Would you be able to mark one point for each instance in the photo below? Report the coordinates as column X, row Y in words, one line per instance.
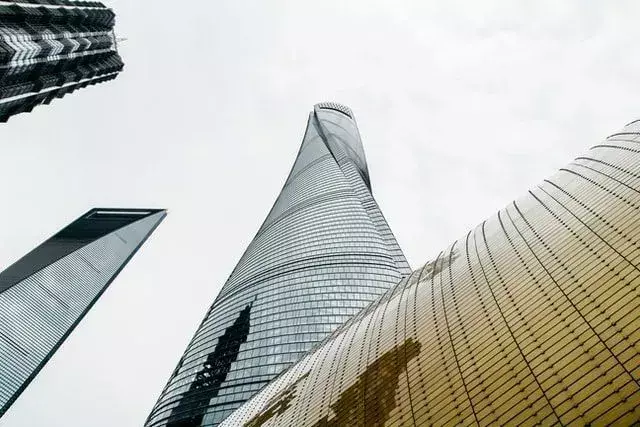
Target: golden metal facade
column 531, row 318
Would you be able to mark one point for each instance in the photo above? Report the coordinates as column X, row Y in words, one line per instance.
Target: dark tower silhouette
column 373, row 396
column 213, row 373
column 374, row 389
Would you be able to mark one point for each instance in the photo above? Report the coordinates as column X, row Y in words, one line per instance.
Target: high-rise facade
column 45, row 294
column 49, row 48
column 323, row 253
column 532, row 318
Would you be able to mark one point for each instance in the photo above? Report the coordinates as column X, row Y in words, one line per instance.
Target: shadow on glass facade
column 323, row 253
column 532, row 318
column 50, row 48
column 45, row 294
column 191, row 408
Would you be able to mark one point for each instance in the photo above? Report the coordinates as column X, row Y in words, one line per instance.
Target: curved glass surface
column 532, row 318
column 323, row 253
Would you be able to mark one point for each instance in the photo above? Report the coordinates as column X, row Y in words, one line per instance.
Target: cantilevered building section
column 44, row 295
column 323, row 253
column 49, row 48
column 532, row 318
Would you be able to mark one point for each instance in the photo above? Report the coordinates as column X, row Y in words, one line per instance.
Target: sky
column 461, row 105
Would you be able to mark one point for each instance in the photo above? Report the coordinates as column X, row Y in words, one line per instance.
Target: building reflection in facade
column 531, row 318
column 323, row 253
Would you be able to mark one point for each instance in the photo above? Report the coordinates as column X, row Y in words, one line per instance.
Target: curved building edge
column 531, row 318
column 322, row 254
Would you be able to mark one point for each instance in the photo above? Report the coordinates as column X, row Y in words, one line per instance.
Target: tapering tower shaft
column 45, row 294
column 531, row 318
column 323, row 253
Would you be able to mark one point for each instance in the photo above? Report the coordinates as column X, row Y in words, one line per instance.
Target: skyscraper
column 322, row 254
column 532, row 318
column 45, row 294
column 49, row 48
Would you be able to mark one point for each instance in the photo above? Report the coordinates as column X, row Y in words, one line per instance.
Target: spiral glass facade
column 532, row 318
column 44, row 295
column 323, row 253
column 49, row 48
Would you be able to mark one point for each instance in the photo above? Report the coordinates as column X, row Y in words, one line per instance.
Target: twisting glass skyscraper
column 323, row 253
column 49, row 48
column 532, row 318
column 45, row 294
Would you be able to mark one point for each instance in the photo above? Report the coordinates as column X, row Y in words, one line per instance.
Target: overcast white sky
column 461, row 105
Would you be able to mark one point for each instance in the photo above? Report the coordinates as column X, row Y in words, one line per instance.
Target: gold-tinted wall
column 532, row 317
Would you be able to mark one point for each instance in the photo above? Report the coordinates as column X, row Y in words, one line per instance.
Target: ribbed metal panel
column 532, row 318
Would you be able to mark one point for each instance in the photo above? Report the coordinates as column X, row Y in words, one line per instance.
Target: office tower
column 49, row 48
column 322, row 254
column 45, row 294
column 532, row 318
